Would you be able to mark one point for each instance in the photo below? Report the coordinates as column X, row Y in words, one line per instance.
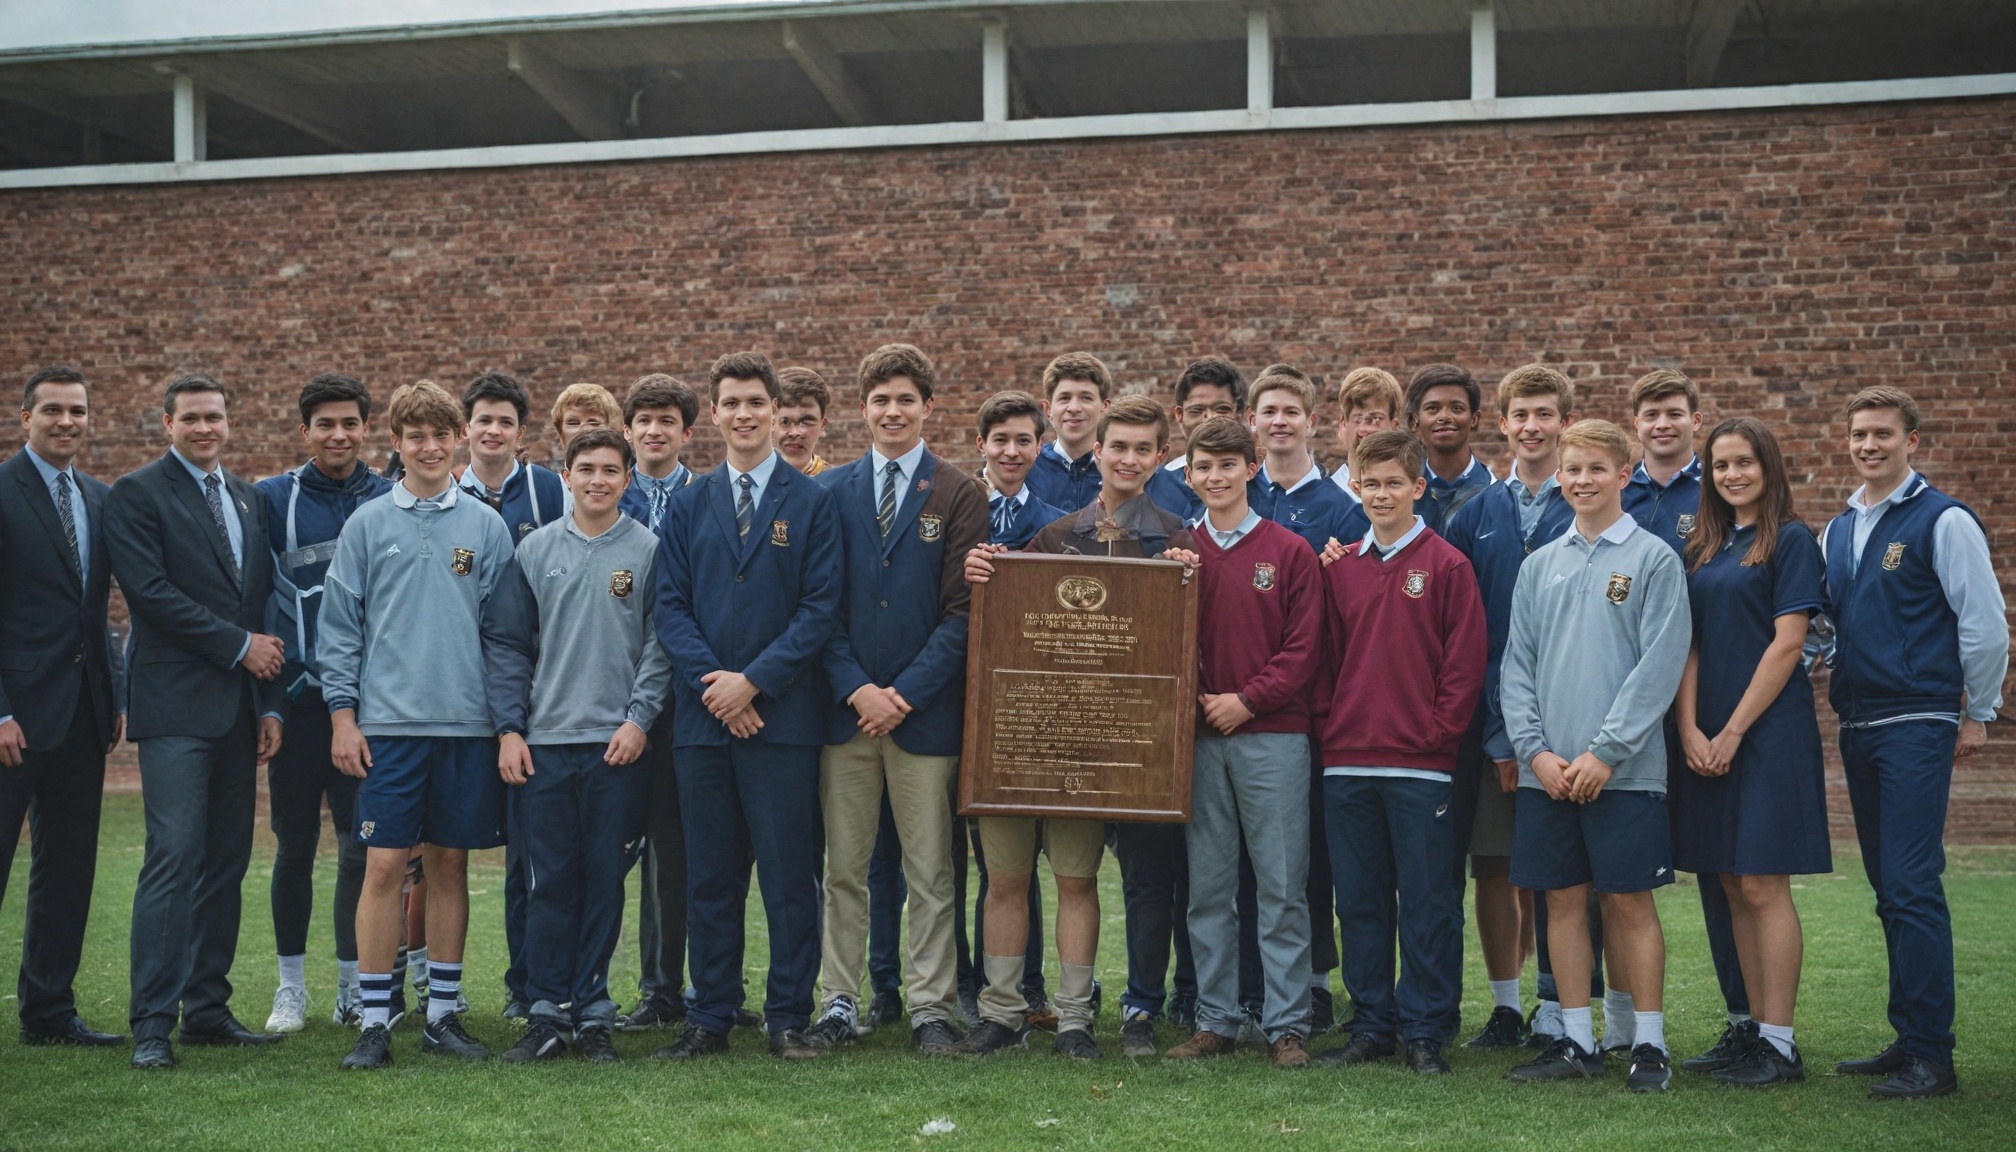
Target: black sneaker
column 1535, row 1038
column 1322, row 1010
column 989, row 1037
column 1505, row 1029
column 1137, row 1035
column 936, row 1038
column 692, row 1044
column 886, row 1008
column 1362, row 1048
column 1651, row 1069
column 373, row 1050
column 1563, row 1060
column 1765, row 1066
column 651, row 1014
column 447, row 1037
column 542, row 1041
column 969, row 1007
column 518, row 1012
column 1075, row 1043
column 1425, row 1057
column 1729, row 1051
column 1181, row 1012
column 835, row 1026
column 398, row 1008
column 1918, row 1079
column 596, row 1044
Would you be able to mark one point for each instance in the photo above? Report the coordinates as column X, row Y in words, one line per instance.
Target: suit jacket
column 190, row 619
column 50, row 625
column 764, row 606
column 903, row 623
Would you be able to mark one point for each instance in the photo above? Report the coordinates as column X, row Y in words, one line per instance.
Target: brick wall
column 1783, row 259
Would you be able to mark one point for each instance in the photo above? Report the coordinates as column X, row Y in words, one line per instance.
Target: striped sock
column 377, row 992
column 444, row 986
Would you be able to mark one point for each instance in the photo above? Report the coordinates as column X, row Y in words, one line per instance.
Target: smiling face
column 895, row 411
column 494, row 432
column 1666, row 426
column 1388, row 493
column 1281, row 422
column 1358, row 423
column 1533, row 424
column 1881, row 447
column 335, row 434
column 1075, row 407
column 597, row 478
column 1010, row 448
column 1738, row 473
column 1445, row 419
column 198, row 427
column 1219, row 478
column 1127, row 457
column 797, row 431
column 1593, row 482
column 1204, row 402
column 657, row 435
column 57, row 419
column 429, row 456
column 744, row 412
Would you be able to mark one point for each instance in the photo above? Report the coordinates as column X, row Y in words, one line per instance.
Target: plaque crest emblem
column 1263, row 577
column 1619, row 589
column 1417, row 583
column 1685, row 525
column 463, row 562
column 620, row 582
column 1081, row 593
column 780, row 533
column 930, row 528
column 365, row 829
column 1893, row 557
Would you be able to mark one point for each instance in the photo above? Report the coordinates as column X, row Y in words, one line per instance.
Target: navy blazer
column 51, row 625
column 764, row 606
column 905, row 615
column 190, row 619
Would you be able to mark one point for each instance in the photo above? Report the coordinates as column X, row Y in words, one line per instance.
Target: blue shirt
column 1313, row 509
column 1226, row 540
column 1666, row 510
column 78, row 515
column 906, row 468
column 234, row 529
column 657, row 494
column 1370, row 546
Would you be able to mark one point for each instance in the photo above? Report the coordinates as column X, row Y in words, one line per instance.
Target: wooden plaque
column 1081, row 686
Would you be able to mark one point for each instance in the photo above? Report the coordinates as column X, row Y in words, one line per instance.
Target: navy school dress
column 1768, row 815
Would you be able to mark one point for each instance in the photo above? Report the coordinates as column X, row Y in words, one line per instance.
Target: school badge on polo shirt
column 463, row 562
column 620, row 582
column 1684, row 525
column 1263, row 577
column 930, row 528
column 1619, row 589
column 1893, row 557
column 780, row 533
column 1417, row 583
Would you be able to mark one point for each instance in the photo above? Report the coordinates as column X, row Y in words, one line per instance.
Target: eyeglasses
column 802, row 424
column 1368, row 419
column 1206, row 411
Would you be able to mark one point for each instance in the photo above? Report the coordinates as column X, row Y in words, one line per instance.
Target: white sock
column 1780, row 1036
column 1619, row 1029
column 1547, row 1022
column 1505, row 993
column 416, row 963
column 1736, row 1018
column 346, row 975
column 1651, row 1027
column 294, row 972
column 1577, row 1025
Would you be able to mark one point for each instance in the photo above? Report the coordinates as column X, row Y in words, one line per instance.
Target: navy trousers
column 1155, row 885
column 1722, row 942
column 661, row 894
column 59, row 791
column 743, row 799
column 1898, row 778
column 576, row 821
column 1389, row 853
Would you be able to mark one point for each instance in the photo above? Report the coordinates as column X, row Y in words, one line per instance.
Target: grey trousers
column 199, row 796
column 1258, row 782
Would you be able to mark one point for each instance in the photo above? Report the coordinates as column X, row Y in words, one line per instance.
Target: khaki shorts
column 1075, row 847
column 1491, row 835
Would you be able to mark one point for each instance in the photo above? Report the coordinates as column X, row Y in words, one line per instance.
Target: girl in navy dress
column 1753, row 805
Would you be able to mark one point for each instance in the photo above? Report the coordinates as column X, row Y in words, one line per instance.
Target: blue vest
column 1318, row 511
column 1897, row 640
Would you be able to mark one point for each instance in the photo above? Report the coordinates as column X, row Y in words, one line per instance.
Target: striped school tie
column 213, row 494
column 745, row 505
column 885, row 508
column 67, row 513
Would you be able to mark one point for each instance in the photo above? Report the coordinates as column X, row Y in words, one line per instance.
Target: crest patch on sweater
column 620, row 582
column 1619, row 589
column 463, row 562
column 1685, row 524
column 1417, row 583
column 1893, row 557
column 1263, row 577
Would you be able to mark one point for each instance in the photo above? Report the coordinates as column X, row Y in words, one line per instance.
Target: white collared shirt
column 907, row 464
column 760, row 474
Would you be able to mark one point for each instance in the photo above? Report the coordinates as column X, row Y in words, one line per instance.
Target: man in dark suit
column 192, row 557
column 58, row 713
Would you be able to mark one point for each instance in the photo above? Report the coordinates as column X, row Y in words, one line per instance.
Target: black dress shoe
column 154, row 1053
column 1888, row 1062
column 1425, row 1057
column 75, row 1032
column 1362, row 1048
column 1764, row 1067
column 936, row 1038
column 692, row 1044
column 1731, row 1051
column 747, row 1019
column 1917, row 1080
column 231, row 1034
column 651, row 1014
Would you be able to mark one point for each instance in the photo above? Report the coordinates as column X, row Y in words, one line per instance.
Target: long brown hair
column 1717, row 521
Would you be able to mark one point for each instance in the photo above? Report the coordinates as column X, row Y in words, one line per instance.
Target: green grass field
column 877, row 1094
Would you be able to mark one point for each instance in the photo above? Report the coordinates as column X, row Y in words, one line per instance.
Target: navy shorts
column 1620, row 842
column 441, row 790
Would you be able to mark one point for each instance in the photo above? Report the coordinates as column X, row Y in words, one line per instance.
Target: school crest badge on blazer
column 1619, row 589
column 1893, row 557
column 930, row 528
column 1263, row 577
column 1417, row 583
column 620, row 582
column 1685, row 525
column 463, row 562
column 780, row 533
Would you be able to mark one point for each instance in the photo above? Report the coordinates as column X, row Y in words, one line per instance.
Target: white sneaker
column 349, row 1012
column 290, row 1010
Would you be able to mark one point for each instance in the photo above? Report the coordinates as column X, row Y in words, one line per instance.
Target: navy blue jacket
column 1317, row 511
column 1486, row 529
column 1442, row 499
column 533, row 498
column 1668, row 512
column 1170, row 489
column 636, row 505
column 903, row 622
column 764, row 606
column 1032, row 517
column 1063, row 484
column 305, row 512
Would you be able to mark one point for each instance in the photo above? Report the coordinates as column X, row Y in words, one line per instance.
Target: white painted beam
column 994, row 70
column 589, row 108
column 1483, row 50
column 292, row 104
column 191, row 141
column 824, row 68
column 1707, row 35
column 1259, row 62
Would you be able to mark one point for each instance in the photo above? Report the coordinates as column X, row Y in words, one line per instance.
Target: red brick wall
column 1783, row 259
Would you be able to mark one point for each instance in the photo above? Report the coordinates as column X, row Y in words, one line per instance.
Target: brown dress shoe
column 1291, row 1051
column 1204, row 1043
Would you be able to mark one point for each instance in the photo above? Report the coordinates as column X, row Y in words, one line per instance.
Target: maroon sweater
column 1260, row 624
column 1405, row 641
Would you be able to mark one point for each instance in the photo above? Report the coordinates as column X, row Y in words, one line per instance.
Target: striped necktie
column 745, row 504
column 885, row 507
column 67, row 513
column 213, row 494
column 1004, row 519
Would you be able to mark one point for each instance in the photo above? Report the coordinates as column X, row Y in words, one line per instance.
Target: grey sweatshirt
column 599, row 660
column 412, row 603
column 1599, row 640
